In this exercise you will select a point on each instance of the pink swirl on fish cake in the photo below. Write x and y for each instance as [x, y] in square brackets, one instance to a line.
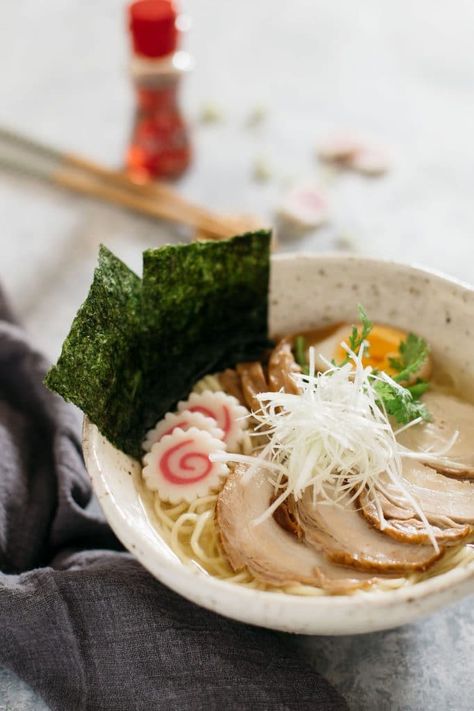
[179, 467]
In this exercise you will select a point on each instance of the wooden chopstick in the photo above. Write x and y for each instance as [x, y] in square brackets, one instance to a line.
[81, 175]
[82, 183]
[158, 192]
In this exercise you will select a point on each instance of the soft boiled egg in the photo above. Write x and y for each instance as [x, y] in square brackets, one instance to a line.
[384, 342]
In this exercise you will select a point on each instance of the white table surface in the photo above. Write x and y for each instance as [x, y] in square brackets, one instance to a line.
[402, 72]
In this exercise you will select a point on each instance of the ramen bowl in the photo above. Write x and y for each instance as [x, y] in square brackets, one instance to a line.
[310, 291]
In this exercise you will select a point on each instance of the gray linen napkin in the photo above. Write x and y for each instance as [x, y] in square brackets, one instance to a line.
[80, 620]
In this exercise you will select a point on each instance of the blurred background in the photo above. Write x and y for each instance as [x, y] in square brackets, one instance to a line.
[272, 81]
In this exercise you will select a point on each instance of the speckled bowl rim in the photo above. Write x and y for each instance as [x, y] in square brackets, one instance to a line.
[363, 612]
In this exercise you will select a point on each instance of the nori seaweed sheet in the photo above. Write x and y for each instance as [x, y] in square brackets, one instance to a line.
[99, 368]
[136, 347]
[205, 307]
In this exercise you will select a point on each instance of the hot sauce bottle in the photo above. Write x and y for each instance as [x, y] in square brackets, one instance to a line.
[159, 145]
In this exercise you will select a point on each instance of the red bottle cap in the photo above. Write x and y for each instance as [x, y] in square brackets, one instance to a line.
[153, 27]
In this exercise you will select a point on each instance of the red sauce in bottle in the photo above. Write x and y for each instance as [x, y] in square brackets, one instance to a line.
[160, 145]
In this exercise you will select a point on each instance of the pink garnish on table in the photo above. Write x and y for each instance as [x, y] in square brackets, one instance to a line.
[184, 420]
[371, 160]
[230, 415]
[354, 153]
[178, 467]
[305, 206]
[339, 148]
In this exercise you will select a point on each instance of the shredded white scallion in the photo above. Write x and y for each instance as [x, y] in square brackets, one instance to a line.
[332, 436]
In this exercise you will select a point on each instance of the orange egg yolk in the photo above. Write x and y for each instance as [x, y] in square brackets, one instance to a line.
[383, 343]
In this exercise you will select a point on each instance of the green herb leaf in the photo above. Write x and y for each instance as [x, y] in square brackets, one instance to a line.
[419, 388]
[367, 325]
[357, 337]
[300, 352]
[135, 348]
[400, 403]
[413, 352]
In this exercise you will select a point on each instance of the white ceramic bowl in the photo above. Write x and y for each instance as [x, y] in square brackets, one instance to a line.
[310, 291]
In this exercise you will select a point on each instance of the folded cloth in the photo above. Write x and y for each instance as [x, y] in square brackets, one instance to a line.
[80, 620]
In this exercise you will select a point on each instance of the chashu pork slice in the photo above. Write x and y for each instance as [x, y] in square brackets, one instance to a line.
[449, 415]
[441, 497]
[401, 520]
[253, 382]
[272, 554]
[230, 382]
[282, 367]
[346, 537]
